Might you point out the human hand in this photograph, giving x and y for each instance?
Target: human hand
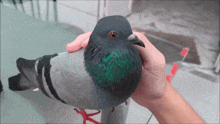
(153, 80)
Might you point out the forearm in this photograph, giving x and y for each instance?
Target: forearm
(172, 108)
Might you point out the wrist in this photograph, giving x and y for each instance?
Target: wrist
(158, 104)
(172, 108)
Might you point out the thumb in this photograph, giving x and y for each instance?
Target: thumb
(149, 54)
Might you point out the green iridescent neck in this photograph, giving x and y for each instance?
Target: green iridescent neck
(113, 66)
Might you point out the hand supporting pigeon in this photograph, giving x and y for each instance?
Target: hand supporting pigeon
(153, 80)
(150, 92)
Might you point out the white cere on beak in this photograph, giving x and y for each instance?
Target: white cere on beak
(132, 37)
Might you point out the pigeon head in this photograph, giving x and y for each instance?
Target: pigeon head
(111, 58)
(114, 30)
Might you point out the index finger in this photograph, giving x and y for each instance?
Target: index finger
(77, 43)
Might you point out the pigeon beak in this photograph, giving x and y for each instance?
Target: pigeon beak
(133, 38)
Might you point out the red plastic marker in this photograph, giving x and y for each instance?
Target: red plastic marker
(173, 72)
(174, 69)
(184, 51)
(169, 78)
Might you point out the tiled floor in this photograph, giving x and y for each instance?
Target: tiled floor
(196, 19)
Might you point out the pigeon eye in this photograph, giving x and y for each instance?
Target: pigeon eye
(112, 35)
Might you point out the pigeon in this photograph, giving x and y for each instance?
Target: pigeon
(100, 76)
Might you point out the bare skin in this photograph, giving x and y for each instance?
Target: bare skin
(153, 92)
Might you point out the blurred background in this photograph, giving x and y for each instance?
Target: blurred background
(172, 26)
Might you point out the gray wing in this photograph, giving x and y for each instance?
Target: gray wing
(74, 85)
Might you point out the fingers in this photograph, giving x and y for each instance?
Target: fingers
(85, 43)
(73, 47)
(78, 43)
(149, 54)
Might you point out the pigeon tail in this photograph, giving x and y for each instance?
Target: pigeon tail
(26, 78)
(18, 83)
(27, 69)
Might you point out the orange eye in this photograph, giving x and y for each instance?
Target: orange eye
(112, 35)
